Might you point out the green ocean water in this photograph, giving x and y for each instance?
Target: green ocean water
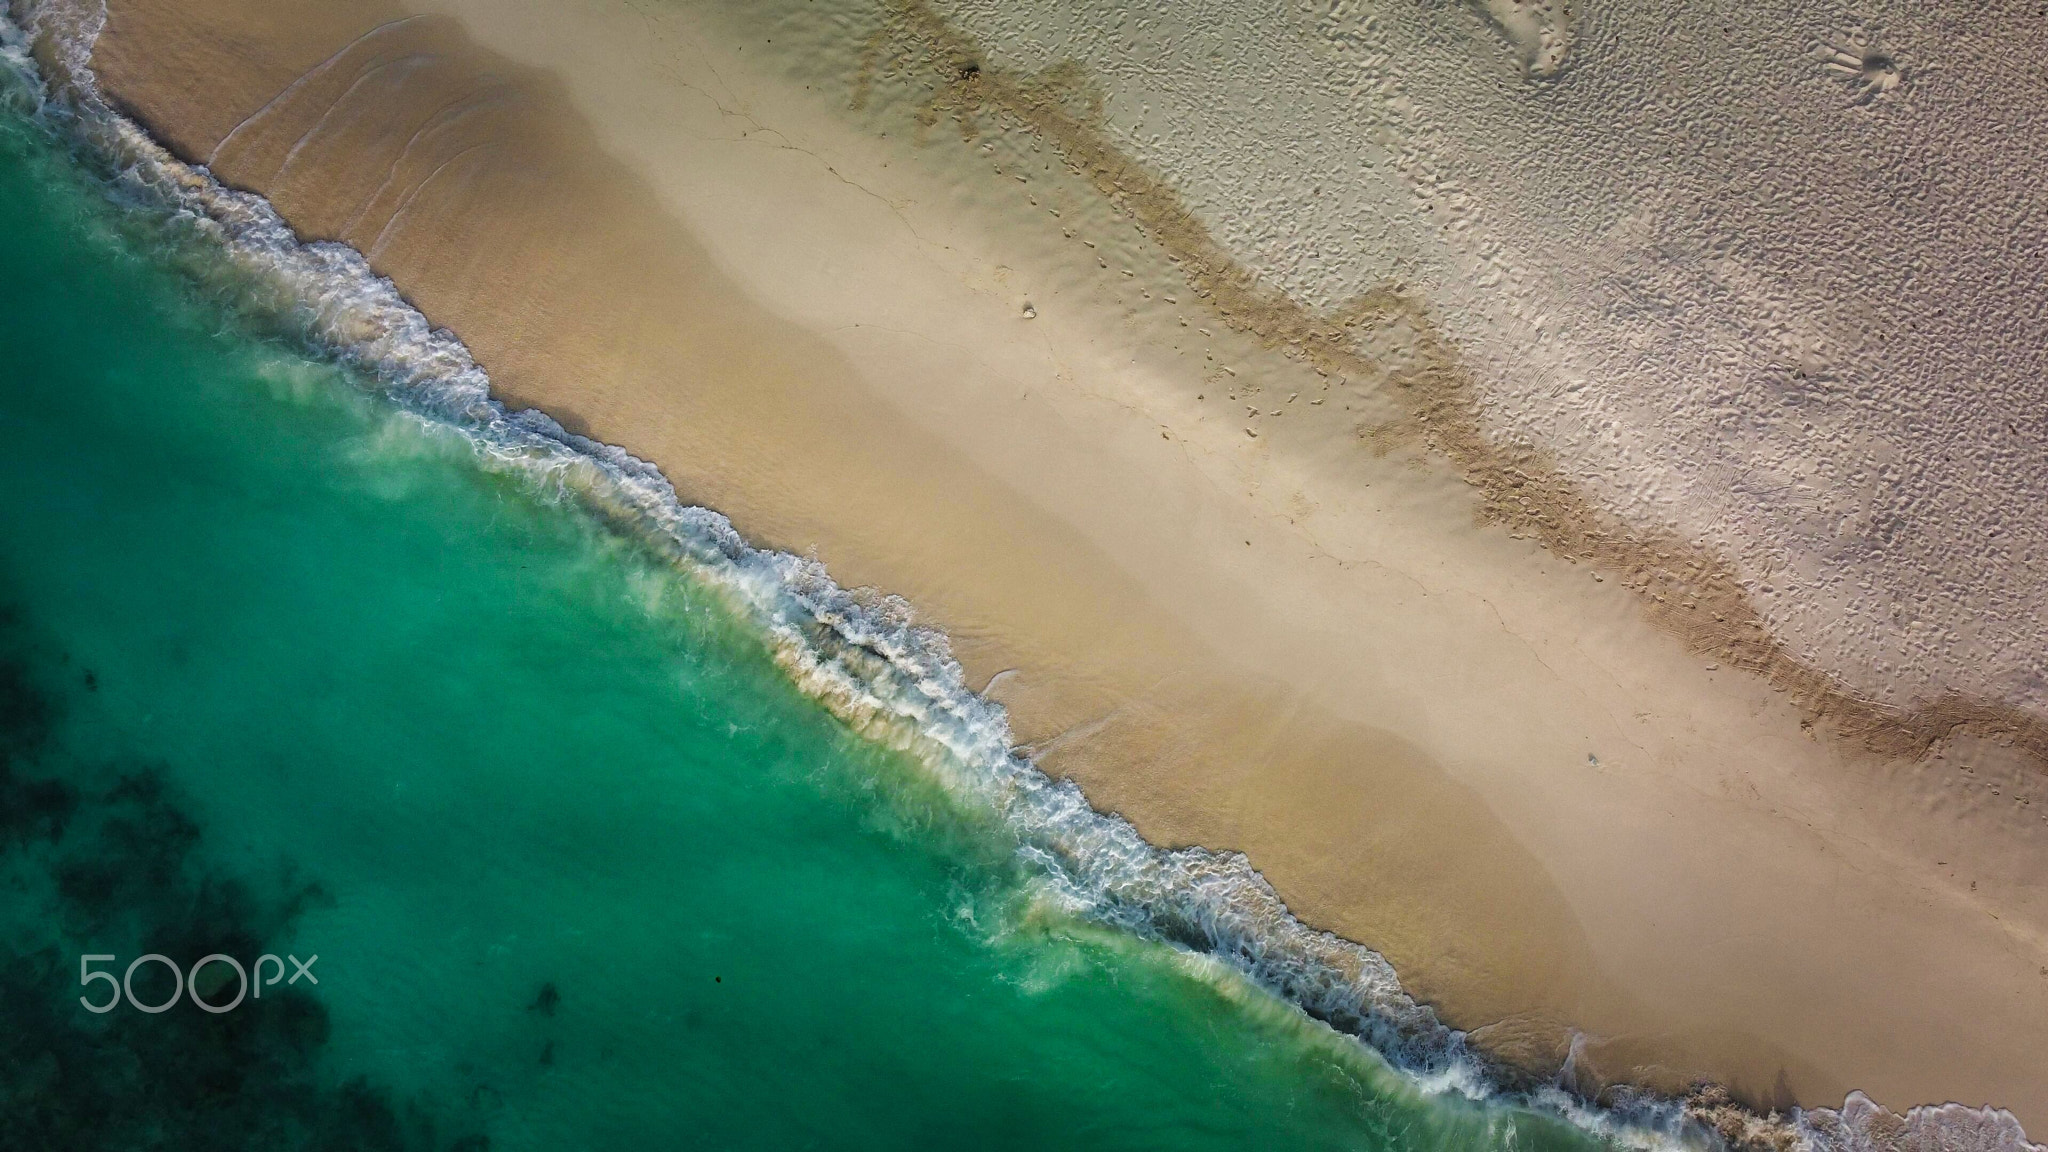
(288, 670)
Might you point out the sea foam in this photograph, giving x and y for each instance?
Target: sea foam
(865, 658)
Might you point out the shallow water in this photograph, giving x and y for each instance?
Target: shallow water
(291, 670)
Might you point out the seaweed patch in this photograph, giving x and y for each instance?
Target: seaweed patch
(100, 855)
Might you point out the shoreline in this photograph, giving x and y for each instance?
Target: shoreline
(1106, 687)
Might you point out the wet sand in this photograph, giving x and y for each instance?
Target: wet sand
(1201, 593)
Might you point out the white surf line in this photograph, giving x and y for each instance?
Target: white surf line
(405, 204)
(445, 116)
(831, 643)
(409, 60)
(307, 77)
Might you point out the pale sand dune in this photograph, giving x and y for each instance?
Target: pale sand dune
(1434, 738)
(1768, 274)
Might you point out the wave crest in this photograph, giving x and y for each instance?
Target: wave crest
(869, 662)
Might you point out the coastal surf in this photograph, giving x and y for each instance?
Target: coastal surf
(509, 643)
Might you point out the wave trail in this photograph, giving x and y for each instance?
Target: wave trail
(864, 658)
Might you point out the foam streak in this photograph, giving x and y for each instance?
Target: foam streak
(866, 660)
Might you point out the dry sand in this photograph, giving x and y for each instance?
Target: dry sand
(1181, 551)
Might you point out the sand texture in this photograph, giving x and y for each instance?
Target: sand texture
(1768, 281)
(1257, 546)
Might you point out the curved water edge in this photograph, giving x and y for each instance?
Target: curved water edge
(864, 657)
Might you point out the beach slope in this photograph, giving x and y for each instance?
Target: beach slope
(1211, 579)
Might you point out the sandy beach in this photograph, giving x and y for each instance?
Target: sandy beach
(1224, 570)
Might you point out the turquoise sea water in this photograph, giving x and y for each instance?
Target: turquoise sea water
(287, 669)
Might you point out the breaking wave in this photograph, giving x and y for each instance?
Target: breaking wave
(863, 656)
